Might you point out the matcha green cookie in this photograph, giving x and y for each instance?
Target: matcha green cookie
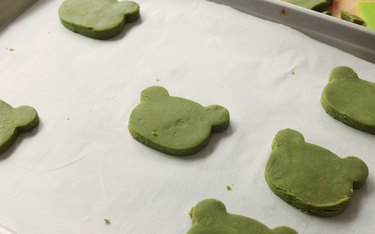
(311, 178)
(210, 217)
(350, 99)
(99, 19)
(14, 121)
(174, 125)
(316, 5)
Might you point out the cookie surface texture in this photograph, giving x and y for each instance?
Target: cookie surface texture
(99, 19)
(311, 178)
(14, 121)
(210, 217)
(175, 125)
(350, 100)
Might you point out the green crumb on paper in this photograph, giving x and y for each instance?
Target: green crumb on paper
(107, 221)
(293, 73)
(229, 188)
(157, 80)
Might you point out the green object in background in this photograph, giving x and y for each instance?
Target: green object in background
(311, 178)
(352, 18)
(316, 5)
(14, 121)
(175, 125)
(367, 12)
(210, 217)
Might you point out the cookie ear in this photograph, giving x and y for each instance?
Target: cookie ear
(153, 92)
(357, 170)
(26, 118)
(218, 116)
(5, 106)
(283, 230)
(207, 208)
(131, 10)
(287, 137)
(343, 73)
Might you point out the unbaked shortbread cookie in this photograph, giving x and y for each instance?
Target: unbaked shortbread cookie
(350, 100)
(99, 19)
(14, 121)
(175, 125)
(311, 178)
(210, 217)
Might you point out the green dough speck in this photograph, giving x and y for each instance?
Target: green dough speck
(175, 125)
(14, 121)
(99, 19)
(210, 217)
(107, 221)
(350, 100)
(229, 188)
(311, 178)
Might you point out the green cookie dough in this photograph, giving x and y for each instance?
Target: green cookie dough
(174, 125)
(210, 217)
(316, 5)
(350, 99)
(99, 19)
(14, 121)
(311, 178)
(352, 18)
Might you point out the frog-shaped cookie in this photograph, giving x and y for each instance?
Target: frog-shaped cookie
(14, 121)
(350, 99)
(175, 125)
(210, 217)
(311, 178)
(99, 19)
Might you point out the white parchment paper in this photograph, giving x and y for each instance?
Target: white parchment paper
(81, 165)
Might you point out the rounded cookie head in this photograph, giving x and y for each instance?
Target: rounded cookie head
(311, 178)
(174, 125)
(15, 121)
(97, 19)
(211, 217)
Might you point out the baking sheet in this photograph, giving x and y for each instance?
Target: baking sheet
(10, 9)
(81, 165)
(346, 36)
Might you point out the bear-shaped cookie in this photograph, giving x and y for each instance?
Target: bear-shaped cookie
(175, 125)
(350, 100)
(311, 178)
(14, 121)
(210, 217)
(99, 19)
